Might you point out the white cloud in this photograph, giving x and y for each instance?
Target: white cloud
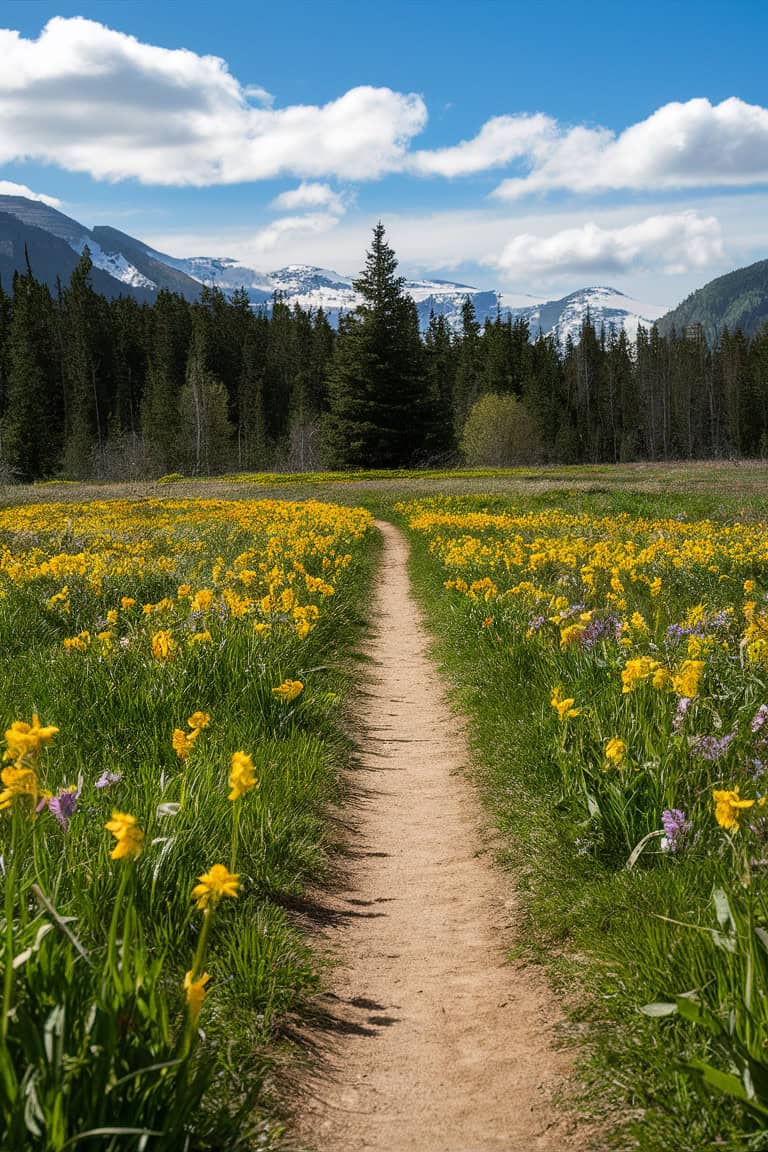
(310, 194)
(500, 140)
(673, 244)
(8, 188)
(94, 100)
(694, 144)
(287, 229)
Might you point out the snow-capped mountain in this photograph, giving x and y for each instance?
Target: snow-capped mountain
(123, 264)
(606, 307)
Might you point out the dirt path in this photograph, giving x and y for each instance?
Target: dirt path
(441, 1046)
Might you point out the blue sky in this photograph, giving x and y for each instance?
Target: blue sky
(532, 147)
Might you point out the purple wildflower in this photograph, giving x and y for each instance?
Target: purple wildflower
(607, 628)
(759, 719)
(681, 712)
(63, 805)
(536, 623)
(710, 747)
(676, 828)
(107, 779)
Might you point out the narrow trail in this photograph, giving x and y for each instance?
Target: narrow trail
(441, 1046)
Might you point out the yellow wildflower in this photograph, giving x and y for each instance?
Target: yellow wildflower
(749, 587)
(127, 602)
(79, 643)
(686, 682)
(729, 806)
(112, 617)
(18, 781)
(183, 742)
(130, 838)
(199, 720)
(289, 689)
(635, 671)
(200, 638)
(23, 739)
(215, 884)
(195, 992)
(564, 706)
(615, 752)
(163, 646)
(242, 775)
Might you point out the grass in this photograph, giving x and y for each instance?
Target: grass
(101, 1049)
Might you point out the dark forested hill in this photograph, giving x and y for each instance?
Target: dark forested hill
(737, 300)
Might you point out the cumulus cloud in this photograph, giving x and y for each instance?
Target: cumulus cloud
(500, 140)
(9, 188)
(288, 228)
(681, 145)
(673, 244)
(310, 194)
(91, 99)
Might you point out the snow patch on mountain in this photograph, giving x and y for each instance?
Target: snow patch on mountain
(606, 307)
(112, 262)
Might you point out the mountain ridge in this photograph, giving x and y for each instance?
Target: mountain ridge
(126, 265)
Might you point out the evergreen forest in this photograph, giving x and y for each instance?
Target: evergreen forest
(115, 389)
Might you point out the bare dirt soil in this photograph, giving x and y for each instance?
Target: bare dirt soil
(439, 1044)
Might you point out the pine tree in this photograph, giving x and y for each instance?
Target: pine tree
(33, 423)
(379, 404)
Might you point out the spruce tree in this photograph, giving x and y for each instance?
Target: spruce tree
(379, 404)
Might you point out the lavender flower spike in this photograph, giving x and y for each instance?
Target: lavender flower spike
(676, 828)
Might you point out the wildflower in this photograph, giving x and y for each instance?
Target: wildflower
(676, 828)
(728, 807)
(199, 720)
(564, 706)
(637, 670)
(195, 991)
(615, 753)
(112, 617)
(662, 679)
(215, 884)
(200, 638)
(289, 690)
(683, 706)
(130, 838)
(79, 643)
(184, 742)
(759, 718)
(710, 747)
(242, 775)
(686, 681)
(127, 602)
(107, 779)
(24, 739)
(18, 781)
(63, 805)
(749, 587)
(163, 646)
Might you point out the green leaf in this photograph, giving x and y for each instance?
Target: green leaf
(659, 1008)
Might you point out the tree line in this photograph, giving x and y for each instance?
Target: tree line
(114, 389)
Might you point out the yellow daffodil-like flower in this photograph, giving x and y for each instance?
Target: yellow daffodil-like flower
(729, 806)
(662, 679)
(615, 753)
(163, 646)
(563, 705)
(199, 720)
(183, 742)
(242, 776)
(130, 838)
(571, 634)
(214, 885)
(749, 587)
(200, 638)
(112, 617)
(686, 682)
(289, 690)
(127, 602)
(636, 671)
(201, 601)
(79, 643)
(195, 992)
(24, 739)
(18, 781)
